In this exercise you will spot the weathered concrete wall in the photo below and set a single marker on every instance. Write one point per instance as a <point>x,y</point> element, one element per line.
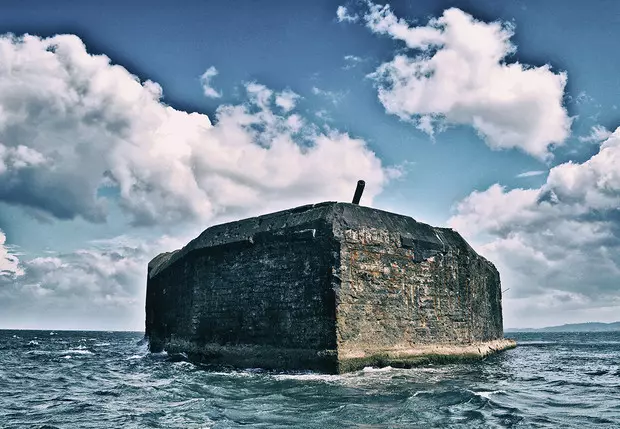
<point>270,290</point>
<point>405,285</point>
<point>330,287</point>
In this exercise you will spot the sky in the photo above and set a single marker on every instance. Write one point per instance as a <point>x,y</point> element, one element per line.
<point>127,128</point>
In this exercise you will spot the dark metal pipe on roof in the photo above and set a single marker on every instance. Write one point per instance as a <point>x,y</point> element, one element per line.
<point>358,192</point>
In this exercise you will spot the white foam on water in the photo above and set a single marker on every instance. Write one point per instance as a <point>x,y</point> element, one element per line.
<point>33,343</point>
<point>311,376</point>
<point>235,373</point>
<point>101,344</point>
<point>67,357</point>
<point>134,357</point>
<point>487,394</point>
<point>181,403</point>
<point>374,369</point>
<point>38,352</point>
<point>78,351</point>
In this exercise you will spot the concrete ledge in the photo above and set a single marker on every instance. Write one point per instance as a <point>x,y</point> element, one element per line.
<point>353,360</point>
<point>331,361</point>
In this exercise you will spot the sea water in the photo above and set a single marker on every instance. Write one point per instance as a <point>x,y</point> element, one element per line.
<point>106,380</point>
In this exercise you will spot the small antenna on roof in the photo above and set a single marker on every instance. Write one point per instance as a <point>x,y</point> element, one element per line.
<point>358,191</point>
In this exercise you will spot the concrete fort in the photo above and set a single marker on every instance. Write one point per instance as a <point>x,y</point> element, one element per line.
<point>332,287</point>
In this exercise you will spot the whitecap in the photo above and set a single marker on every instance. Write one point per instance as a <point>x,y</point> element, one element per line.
<point>163,354</point>
<point>133,357</point>
<point>235,373</point>
<point>537,343</point>
<point>78,351</point>
<point>33,343</point>
<point>101,344</point>
<point>375,369</point>
<point>310,376</point>
<point>38,352</point>
<point>487,394</point>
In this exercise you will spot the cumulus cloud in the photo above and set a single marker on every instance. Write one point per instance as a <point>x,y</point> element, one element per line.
<point>101,286</point>
<point>72,124</point>
<point>9,263</point>
<point>205,81</point>
<point>558,244</point>
<point>598,133</point>
<point>455,72</point>
<point>343,15</point>
<point>286,100</point>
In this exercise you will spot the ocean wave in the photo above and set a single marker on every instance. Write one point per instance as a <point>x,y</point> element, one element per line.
<point>122,385</point>
<point>487,394</point>
<point>597,372</point>
<point>38,352</point>
<point>308,376</point>
<point>375,369</point>
<point>134,357</point>
<point>183,364</point>
<point>77,351</point>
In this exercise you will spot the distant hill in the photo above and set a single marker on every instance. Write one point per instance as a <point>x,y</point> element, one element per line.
<point>573,327</point>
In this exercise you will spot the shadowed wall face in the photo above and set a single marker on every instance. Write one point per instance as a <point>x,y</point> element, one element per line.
<point>273,290</point>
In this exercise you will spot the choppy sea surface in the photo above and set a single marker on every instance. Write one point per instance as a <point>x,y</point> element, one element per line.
<point>106,380</point>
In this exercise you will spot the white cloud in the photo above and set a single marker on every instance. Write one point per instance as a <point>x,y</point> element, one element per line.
<point>353,58</point>
<point>72,123</point>
<point>557,246</point>
<point>286,100</point>
<point>334,97</point>
<point>9,263</point>
<point>323,115</point>
<point>531,173</point>
<point>598,133</point>
<point>352,61</point>
<point>100,286</point>
<point>343,15</point>
<point>457,74</point>
<point>205,81</point>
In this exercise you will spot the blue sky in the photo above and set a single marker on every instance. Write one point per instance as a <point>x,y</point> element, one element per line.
<point>53,222</point>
